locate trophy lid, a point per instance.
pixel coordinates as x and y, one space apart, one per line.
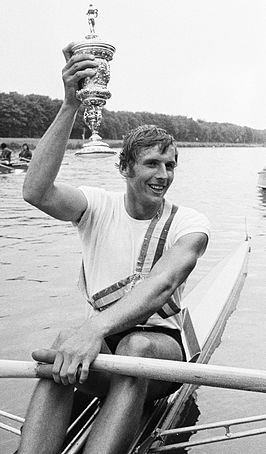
93 40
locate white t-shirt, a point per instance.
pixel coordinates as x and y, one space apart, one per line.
111 241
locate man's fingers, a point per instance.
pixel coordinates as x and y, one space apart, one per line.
82 66
64 370
67 51
83 74
57 367
73 372
44 355
81 59
78 371
84 372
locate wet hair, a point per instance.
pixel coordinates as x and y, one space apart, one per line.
3 145
145 136
25 145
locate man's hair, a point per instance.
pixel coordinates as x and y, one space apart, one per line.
3 145
142 137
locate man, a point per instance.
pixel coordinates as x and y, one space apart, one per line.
138 250
6 154
25 154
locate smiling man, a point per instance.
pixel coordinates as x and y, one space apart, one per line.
137 251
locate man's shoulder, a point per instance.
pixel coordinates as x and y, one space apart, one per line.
100 202
184 212
189 212
189 220
100 193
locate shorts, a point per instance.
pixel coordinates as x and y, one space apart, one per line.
113 340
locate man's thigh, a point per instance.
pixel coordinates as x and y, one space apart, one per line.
98 382
153 345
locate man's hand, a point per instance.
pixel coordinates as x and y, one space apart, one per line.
76 350
77 68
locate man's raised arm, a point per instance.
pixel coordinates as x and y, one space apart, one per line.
59 200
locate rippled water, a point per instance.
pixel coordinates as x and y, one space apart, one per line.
40 257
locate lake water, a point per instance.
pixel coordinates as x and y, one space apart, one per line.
40 258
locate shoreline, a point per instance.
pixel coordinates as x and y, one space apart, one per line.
15 143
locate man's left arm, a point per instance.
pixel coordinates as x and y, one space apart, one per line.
145 299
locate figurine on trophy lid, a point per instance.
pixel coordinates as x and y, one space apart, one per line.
93 92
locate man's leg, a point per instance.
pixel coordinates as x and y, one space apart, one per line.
49 413
119 418
47 418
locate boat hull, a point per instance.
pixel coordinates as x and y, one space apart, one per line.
13 167
210 304
262 179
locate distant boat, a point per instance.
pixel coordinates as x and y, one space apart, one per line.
13 167
262 178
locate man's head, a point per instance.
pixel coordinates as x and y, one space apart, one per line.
3 146
141 138
148 162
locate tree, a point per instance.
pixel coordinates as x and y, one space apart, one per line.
31 115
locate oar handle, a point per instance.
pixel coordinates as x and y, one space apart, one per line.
159 369
24 369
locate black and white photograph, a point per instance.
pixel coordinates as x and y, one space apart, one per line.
132 227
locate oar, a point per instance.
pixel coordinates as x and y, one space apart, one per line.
5 165
159 369
24 159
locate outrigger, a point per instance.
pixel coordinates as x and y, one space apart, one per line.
206 310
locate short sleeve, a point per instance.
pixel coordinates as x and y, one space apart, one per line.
96 203
188 220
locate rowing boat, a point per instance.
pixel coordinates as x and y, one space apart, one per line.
206 310
209 304
13 167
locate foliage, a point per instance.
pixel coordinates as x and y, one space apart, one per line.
29 116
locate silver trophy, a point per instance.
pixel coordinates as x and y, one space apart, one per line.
93 92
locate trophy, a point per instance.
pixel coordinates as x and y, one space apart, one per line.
93 92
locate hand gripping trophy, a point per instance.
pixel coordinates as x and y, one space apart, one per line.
93 92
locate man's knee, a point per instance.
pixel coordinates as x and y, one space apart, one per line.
135 344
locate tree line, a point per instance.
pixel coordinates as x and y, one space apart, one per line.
30 116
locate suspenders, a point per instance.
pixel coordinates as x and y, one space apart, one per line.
151 250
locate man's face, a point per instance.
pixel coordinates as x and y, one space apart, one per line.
151 175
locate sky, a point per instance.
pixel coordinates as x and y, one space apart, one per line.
204 59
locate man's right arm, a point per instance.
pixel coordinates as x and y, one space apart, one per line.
59 200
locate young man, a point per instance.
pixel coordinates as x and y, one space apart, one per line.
138 250
25 153
6 154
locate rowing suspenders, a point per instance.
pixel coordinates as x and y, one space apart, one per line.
151 250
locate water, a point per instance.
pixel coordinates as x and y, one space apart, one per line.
40 258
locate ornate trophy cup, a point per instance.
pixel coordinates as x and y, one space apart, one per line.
93 92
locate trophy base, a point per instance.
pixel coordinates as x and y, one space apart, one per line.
95 147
